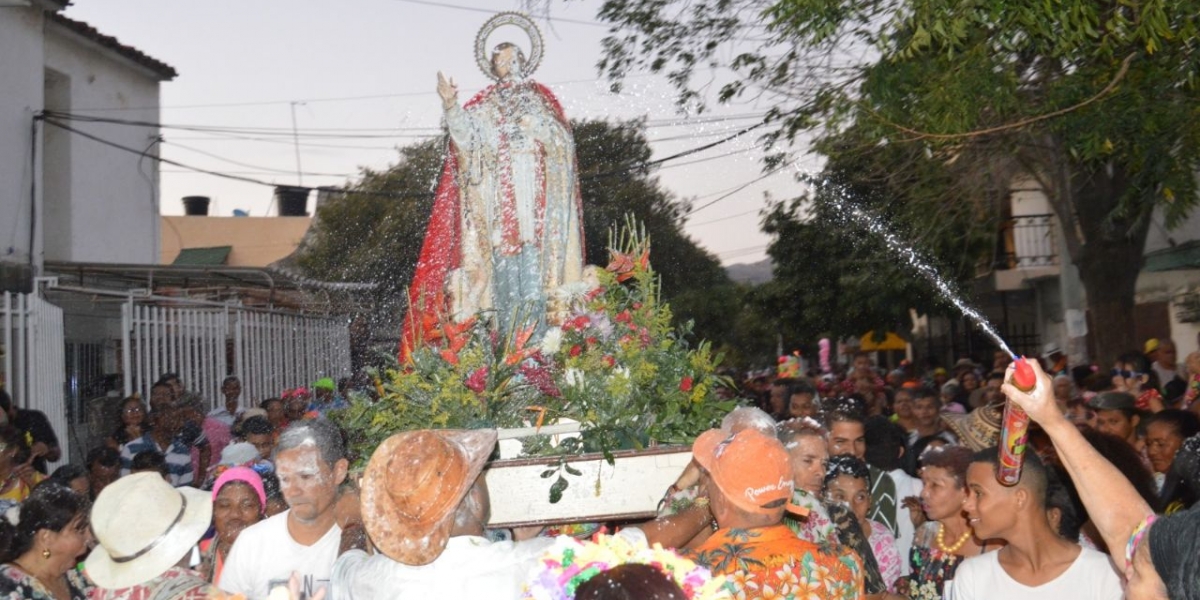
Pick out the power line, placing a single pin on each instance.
(398, 132)
(48, 118)
(493, 11)
(736, 190)
(710, 221)
(260, 168)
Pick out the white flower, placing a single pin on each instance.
(552, 341)
(573, 377)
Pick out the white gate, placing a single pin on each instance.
(277, 351)
(33, 360)
(268, 351)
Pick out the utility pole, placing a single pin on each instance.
(296, 145)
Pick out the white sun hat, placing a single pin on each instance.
(144, 527)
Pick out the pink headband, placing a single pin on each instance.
(245, 475)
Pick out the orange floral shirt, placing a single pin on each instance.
(771, 562)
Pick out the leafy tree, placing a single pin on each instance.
(1097, 100)
(374, 232)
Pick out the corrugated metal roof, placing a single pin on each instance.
(1180, 257)
(215, 256)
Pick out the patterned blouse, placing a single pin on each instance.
(16, 584)
(771, 562)
(931, 567)
(883, 546)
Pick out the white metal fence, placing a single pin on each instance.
(33, 359)
(273, 351)
(268, 351)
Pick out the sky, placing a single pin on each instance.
(359, 78)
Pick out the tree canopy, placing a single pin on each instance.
(1096, 100)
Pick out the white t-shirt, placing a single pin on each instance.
(265, 555)
(1090, 577)
(469, 567)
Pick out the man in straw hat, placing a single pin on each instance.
(311, 465)
(748, 479)
(425, 505)
(146, 531)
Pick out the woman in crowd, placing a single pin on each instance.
(276, 413)
(846, 482)
(74, 477)
(902, 408)
(1165, 432)
(239, 501)
(39, 551)
(942, 543)
(134, 423)
(1161, 558)
(17, 479)
(1181, 490)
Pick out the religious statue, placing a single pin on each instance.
(506, 231)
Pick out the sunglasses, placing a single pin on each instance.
(1127, 374)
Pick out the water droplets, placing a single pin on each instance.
(836, 197)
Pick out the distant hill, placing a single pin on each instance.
(753, 273)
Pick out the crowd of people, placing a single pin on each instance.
(863, 484)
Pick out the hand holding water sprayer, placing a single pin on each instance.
(1030, 394)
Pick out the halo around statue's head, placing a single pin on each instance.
(483, 56)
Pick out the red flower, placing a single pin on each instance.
(577, 324)
(591, 340)
(686, 384)
(477, 380)
(623, 317)
(575, 350)
(541, 379)
(591, 295)
(449, 356)
(637, 306)
(609, 361)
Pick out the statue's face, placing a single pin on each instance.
(503, 60)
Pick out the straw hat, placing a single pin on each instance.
(144, 526)
(413, 484)
(979, 428)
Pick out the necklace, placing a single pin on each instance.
(941, 540)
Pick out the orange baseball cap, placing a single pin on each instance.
(751, 469)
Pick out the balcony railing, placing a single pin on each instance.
(1028, 243)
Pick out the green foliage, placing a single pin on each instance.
(1097, 100)
(615, 364)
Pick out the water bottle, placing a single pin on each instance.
(1015, 431)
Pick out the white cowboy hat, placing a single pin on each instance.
(144, 527)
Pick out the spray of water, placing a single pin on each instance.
(836, 197)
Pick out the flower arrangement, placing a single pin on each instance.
(569, 563)
(609, 359)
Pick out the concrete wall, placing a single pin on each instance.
(102, 203)
(21, 64)
(256, 241)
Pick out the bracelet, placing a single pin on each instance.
(1135, 538)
